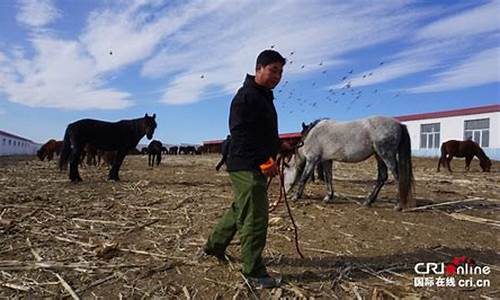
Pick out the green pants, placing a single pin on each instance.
(248, 215)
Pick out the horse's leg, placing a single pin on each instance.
(113, 173)
(448, 160)
(149, 159)
(308, 169)
(392, 164)
(321, 173)
(313, 176)
(440, 162)
(381, 179)
(50, 156)
(158, 159)
(468, 160)
(74, 176)
(326, 168)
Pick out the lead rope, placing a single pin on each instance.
(281, 167)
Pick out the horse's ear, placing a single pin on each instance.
(154, 116)
(304, 125)
(146, 115)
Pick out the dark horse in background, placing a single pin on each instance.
(121, 137)
(154, 152)
(173, 150)
(187, 150)
(467, 149)
(48, 149)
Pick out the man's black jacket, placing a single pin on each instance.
(253, 124)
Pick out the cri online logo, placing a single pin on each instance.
(456, 262)
(458, 266)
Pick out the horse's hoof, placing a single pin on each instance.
(294, 198)
(367, 203)
(398, 208)
(327, 199)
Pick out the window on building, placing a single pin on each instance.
(478, 130)
(430, 135)
(10, 142)
(4, 141)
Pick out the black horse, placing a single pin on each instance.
(154, 151)
(173, 150)
(120, 136)
(187, 150)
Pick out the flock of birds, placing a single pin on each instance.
(344, 93)
(347, 94)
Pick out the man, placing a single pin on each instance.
(225, 151)
(254, 144)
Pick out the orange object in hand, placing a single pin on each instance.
(267, 165)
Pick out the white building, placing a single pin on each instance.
(429, 130)
(11, 144)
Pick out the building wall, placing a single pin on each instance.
(452, 128)
(16, 146)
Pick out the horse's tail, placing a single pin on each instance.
(406, 180)
(66, 150)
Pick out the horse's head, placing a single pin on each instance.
(149, 125)
(292, 171)
(41, 154)
(485, 164)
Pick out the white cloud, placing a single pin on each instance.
(202, 49)
(438, 45)
(37, 13)
(480, 69)
(58, 76)
(474, 21)
(222, 45)
(2, 111)
(71, 74)
(132, 35)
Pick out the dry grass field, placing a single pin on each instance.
(138, 238)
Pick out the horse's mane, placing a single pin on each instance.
(310, 126)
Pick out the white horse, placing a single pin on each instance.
(326, 140)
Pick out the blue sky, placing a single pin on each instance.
(64, 60)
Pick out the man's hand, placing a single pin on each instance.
(269, 168)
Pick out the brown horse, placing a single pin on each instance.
(90, 153)
(107, 157)
(467, 149)
(48, 149)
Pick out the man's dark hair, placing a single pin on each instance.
(268, 57)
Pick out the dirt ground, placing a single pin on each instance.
(138, 238)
